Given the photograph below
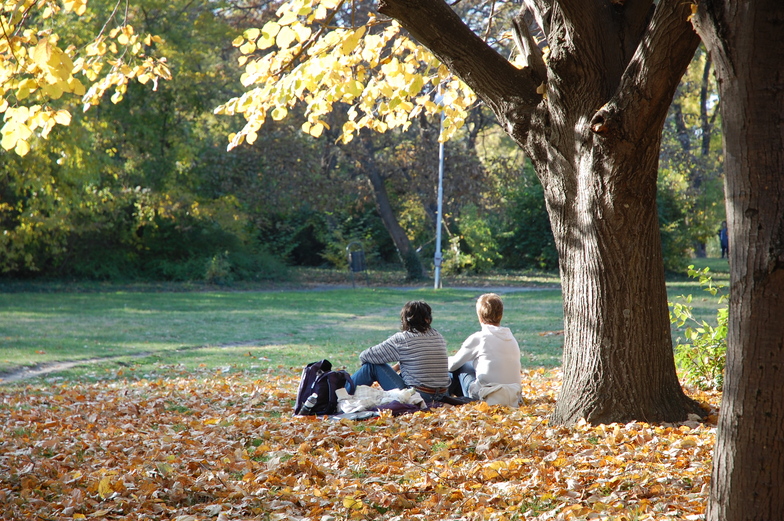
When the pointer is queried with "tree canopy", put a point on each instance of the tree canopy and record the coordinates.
(41, 62)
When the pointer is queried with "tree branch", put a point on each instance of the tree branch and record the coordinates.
(654, 72)
(541, 10)
(528, 47)
(500, 84)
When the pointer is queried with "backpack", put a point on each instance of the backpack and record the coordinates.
(318, 377)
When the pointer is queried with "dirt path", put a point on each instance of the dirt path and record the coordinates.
(42, 369)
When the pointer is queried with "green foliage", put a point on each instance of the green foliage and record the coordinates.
(676, 236)
(474, 249)
(527, 239)
(702, 357)
(690, 167)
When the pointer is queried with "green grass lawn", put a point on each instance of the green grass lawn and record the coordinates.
(248, 329)
(154, 333)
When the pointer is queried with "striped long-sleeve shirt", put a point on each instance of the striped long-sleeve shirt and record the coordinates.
(422, 357)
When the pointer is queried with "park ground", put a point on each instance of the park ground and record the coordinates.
(206, 431)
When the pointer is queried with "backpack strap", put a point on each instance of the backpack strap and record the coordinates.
(337, 380)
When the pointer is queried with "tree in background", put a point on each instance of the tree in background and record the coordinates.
(746, 45)
(690, 187)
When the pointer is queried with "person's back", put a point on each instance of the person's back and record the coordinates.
(487, 365)
(497, 356)
(418, 349)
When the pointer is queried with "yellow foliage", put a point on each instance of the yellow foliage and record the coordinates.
(384, 78)
(37, 70)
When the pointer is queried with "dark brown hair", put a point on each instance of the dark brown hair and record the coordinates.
(416, 315)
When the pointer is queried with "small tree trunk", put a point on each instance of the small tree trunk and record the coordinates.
(747, 45)
(409, 256)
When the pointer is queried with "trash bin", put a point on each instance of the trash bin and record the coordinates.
(356, 260)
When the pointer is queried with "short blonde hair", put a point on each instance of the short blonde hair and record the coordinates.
(490, 309)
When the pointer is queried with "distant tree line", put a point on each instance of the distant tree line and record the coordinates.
(145, 189)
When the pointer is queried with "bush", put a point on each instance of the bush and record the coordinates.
(527, 240)
(702, 357)
(474, 249)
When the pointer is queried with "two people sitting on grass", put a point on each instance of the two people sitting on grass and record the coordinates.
(487, 366)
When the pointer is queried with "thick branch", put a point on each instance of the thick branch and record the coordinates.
(652, 76)
(436, 26)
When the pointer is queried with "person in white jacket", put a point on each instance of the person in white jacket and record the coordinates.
(487, 365)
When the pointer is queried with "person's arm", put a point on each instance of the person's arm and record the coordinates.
(466, 353)
(384, 353)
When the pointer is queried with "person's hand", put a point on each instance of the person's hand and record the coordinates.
(396, 367)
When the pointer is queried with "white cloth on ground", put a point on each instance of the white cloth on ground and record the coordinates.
(365, 397)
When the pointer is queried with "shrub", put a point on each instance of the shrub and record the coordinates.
(702, 357)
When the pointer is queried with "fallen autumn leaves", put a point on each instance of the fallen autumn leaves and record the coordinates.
(203, 447)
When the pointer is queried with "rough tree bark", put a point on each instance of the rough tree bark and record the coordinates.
(594, 138)
(746, 42)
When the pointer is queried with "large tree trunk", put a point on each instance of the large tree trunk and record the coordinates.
(746, 41)
(594, 139)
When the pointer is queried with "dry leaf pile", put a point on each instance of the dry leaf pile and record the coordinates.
(204, 447)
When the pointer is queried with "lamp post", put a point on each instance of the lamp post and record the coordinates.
(439, 214)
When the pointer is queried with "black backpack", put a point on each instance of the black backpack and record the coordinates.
(319, 378)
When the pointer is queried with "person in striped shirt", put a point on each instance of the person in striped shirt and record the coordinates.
(418, 351)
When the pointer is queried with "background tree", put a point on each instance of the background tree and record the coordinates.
(691, 191)
(592, 133)
(747, 48)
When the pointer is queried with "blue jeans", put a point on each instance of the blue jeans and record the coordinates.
(386, 377)
(462, 378)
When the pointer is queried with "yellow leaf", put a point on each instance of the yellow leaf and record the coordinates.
(350, 43)
(76, 86)
(252, 33)
(352, 503)
(302, 31)
(22, 147)
(53, 90)
(105, 487)
(265, 42)
(270, 29)
(288, 18)
(279, 113)
(62, 117)
(316, 130)
(212, 421)
(247, 47)
(286, 37)
(26, 87)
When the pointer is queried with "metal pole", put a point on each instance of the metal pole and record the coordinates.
(440, 215)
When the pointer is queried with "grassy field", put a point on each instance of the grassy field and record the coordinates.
(152, 331)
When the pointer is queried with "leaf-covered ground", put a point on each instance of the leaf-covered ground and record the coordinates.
(215, 446)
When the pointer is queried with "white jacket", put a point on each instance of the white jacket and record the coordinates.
(496, 357)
